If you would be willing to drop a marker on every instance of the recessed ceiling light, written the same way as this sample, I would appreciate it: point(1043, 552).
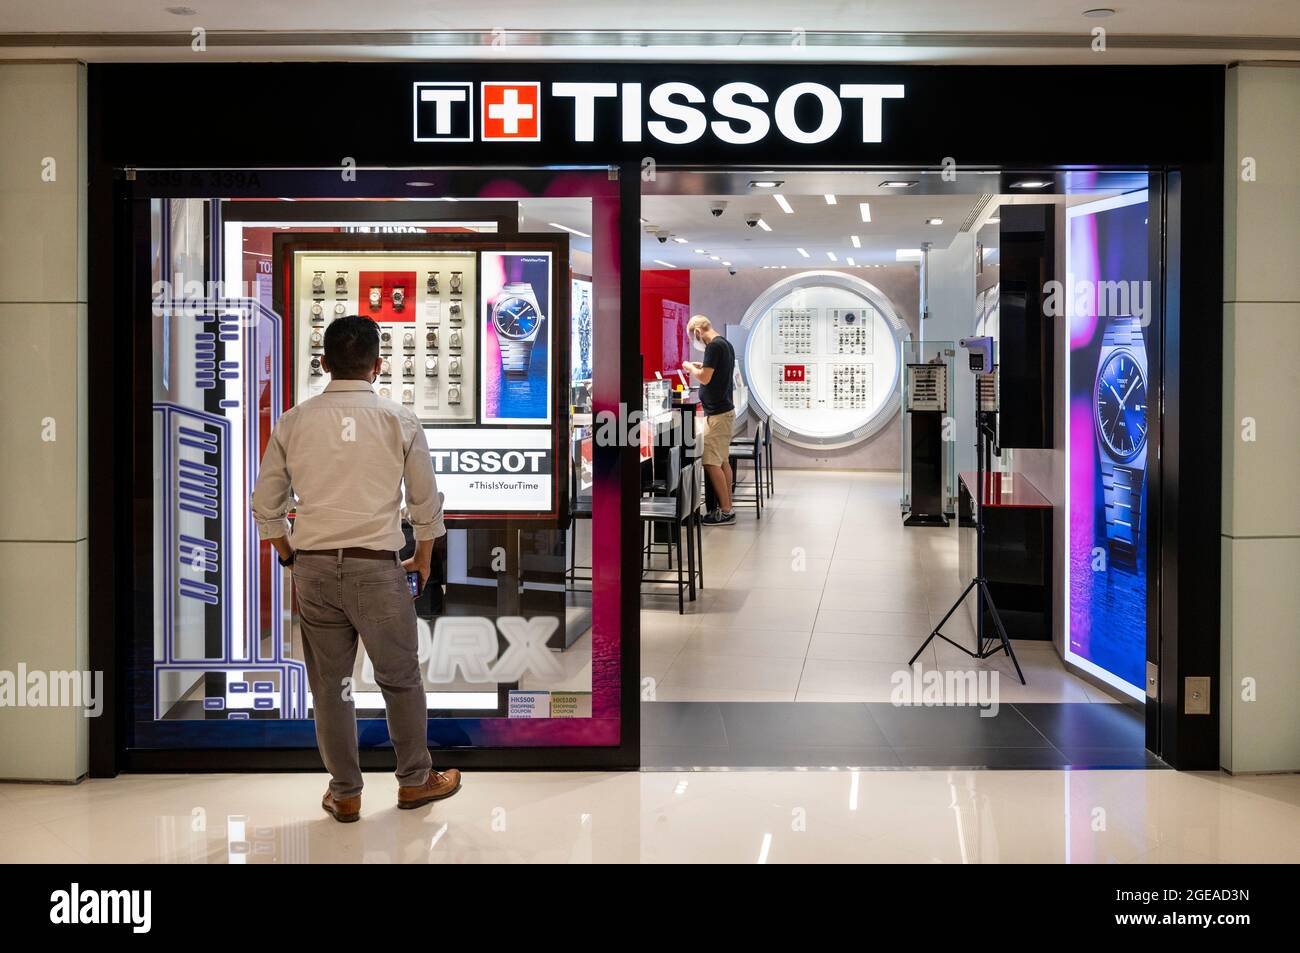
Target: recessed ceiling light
point(934, 221)
point(1098, 12)
point(566, 228)
point(727, 263)
point(666, 264)
point(420, 185)
point(181, 11)
point(897, 184)
point(1031, 184)
point(849, 260)
point(830, 199)
point(857, 242)
point(766, 183)
point(700, 251)
point(781, 201)
point(907, 254)
point(679, 240)
point(865, 209)
point(764, 226)
point(803, 252)
point(831, 256)
point(715, 257)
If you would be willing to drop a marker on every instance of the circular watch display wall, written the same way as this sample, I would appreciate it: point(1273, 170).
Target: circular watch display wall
point(821, 359)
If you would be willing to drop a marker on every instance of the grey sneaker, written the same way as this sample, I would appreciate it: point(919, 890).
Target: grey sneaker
point(719, 518)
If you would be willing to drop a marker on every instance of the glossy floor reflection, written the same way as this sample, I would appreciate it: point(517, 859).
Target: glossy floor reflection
point(721, 816)
point(825, 599)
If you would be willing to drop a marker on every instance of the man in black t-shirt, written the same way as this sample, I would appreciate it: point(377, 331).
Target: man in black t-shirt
point(715, 374)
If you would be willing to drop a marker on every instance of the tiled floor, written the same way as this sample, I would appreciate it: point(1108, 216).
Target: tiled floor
point(742, 816)
point(823, 600)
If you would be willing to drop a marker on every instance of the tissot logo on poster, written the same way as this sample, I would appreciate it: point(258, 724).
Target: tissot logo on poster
point(674, 113)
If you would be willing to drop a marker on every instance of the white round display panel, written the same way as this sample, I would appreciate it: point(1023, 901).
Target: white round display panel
point(821, 358)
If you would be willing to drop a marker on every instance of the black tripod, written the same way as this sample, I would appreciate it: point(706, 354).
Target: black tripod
point(984, 436)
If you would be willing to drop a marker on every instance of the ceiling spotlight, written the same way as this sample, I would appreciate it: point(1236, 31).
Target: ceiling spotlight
point(715, 258)
point(857, 242)
point(571, 231)
point(803, 252)
point(766, 183)
point(1031, 184)
point(830, 199)
point(897, 184)
point(781, 201)
point(934, 221)
point(764, 226)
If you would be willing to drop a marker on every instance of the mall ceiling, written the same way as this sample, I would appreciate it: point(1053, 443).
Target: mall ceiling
point(916, 31)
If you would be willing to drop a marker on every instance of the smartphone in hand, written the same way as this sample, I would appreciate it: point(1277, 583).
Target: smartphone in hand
point(413, 583)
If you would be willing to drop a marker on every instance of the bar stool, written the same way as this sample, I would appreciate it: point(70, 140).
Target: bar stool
point(675, 511)
point(660, 486)
point(751, 451)
point(579, 509)
point(767, 450)
point(697, 516)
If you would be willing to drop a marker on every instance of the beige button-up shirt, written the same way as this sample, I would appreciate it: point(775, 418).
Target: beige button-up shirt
point(345, 454)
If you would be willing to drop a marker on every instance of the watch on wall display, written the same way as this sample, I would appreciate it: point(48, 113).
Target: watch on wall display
point(793, 385)
point(850, 386)
point(517, 302)
point(418, 343)
point(821, 358)
point(792, 330)
point(851, 329)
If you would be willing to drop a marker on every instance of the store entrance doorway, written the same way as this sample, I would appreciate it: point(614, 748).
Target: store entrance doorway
point(839, 293)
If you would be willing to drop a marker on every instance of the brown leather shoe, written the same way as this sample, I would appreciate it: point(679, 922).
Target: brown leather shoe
point(441, 784)
point(344, 809)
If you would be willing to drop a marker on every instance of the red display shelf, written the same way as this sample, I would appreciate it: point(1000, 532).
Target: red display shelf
point(1005, 489)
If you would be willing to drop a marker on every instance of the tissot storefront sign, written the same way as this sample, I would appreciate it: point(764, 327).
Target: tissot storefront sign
point(675, 113)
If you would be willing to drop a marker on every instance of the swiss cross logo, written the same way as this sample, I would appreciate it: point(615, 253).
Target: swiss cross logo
point(511, 111)
point(444, 112)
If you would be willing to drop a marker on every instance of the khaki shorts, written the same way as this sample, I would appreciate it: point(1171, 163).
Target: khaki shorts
point(717, 438)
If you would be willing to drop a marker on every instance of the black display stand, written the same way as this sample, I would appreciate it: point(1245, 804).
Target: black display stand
point(927, 503)
point(984, 436)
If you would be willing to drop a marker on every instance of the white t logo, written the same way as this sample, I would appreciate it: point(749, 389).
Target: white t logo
point(510, 110)
point(442, 100)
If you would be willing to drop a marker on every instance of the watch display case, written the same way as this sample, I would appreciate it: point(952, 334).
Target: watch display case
point(821, 359)
point(427, 336)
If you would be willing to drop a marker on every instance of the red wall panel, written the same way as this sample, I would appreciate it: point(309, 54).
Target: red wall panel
point(665, 309)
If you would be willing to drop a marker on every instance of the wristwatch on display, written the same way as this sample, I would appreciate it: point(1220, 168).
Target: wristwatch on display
point(376, 298)
point(399, 298)
point(517, 319)
point(1120, 413)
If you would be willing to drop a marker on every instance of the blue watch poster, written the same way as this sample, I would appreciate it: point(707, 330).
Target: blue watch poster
point(1109, 307)
point(516, 322)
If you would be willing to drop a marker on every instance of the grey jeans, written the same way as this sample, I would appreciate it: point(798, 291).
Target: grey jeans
point(338, 599)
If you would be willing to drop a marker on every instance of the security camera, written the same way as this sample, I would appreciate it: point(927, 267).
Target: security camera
point(717, 208)
point(731, 270)
point(663, 237)
point(752, 219)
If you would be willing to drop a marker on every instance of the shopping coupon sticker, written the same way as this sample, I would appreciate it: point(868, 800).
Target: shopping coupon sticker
point(794, 373)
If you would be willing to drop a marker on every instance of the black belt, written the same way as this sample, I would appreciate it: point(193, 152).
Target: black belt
point(353, 552)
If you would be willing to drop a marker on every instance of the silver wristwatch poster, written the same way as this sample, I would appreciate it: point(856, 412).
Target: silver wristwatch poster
point(516, 354)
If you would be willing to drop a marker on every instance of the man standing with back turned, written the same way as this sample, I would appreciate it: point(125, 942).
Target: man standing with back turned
point(345, 454)
point(715, 374)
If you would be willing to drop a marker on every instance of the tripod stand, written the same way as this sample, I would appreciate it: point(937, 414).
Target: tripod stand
point(984, 437)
